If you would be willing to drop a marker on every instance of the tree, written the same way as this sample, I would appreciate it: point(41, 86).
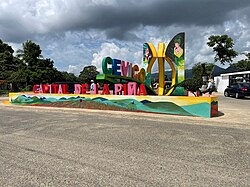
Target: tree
point(191, 84)
point(20, 77)
point(88, 73)
point(243, 65)
point(69, 77)
point(29, 67)
point(10, 67)
point(200, 70)
point(30, 53)
point(7, 62)
point(56, 76)
point(223, 46)
point(39, 70)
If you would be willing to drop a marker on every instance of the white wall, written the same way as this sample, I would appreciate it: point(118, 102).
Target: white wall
point(221, 83)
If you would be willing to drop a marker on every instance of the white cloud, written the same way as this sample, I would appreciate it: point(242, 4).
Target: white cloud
point(241, 56)
point(74, 69)
point(79, 33)
point(138, 56)
point(113, 51)
point(104, 2)
point(15, 47)
point(248, 44)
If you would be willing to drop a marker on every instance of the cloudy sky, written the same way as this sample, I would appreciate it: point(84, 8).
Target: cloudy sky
point(77, 33)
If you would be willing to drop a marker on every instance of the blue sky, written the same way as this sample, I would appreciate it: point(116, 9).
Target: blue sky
point(77, 33)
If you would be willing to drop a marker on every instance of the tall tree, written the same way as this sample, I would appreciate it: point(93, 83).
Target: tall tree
point(223, 47)
point(88, 73)
point(7, 63)
point(20, 77)
point(30, 52)
point(11, 68)
point(40, 70)
point(243, 65)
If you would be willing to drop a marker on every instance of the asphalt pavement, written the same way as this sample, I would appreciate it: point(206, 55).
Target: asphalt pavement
point(75, 147)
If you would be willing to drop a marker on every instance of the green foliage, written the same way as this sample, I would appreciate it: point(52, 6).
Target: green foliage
point(243, 65)
point(7, 61)
point(69, 77)
point(26, 89)
point(29, 68)
point(20, 74)
point(30, 52)
point(192, 84)
point(36, 69)
point(223, 46)
point(87, 74)
point(4, 92)
point(200, 70)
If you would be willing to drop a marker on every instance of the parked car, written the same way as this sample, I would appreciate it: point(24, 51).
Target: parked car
point(238, 90)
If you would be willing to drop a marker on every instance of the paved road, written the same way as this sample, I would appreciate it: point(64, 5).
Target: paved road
point(44, 147)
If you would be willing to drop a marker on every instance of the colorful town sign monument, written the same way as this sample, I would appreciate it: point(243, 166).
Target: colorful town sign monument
point(128, 87)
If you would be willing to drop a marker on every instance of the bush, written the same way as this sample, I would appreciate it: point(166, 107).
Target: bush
point(191, 84)
point(26, 89)
point(4, 92)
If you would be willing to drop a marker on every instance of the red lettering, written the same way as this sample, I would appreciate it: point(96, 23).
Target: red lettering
point(35, 88)
point(125, 89)
point(142, 90)
point(85, 88)
point(45, 88)
point(54, 88)
point(65, 88)
point(105, 90)
point(60, 91)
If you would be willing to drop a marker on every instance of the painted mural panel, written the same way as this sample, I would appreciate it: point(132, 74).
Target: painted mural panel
point(180, 105)
point(176, 52)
